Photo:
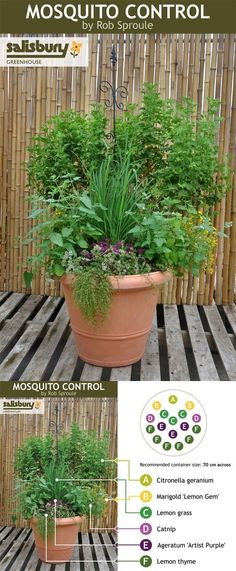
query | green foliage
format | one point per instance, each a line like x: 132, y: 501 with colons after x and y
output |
x: 42, y: 466
x: 191, y: 171
x: 115, y: 196
x: 174, y: 154
x: 34, y: 454
x: 68, y: 144
x: 145, y: 134
x: 57, y: 227
x: 177, y: 242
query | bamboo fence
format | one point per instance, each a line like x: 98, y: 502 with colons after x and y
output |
x: 195, y: 65
x: 98, y: 414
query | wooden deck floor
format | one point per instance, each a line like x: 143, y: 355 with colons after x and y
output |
x: 186, y: 343
x: 95, y: 552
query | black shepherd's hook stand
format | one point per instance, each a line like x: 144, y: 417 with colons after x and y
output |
x: 115, y: 95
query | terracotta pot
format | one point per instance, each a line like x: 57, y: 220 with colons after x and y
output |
x: 120, y: 340
x: 66, y: 538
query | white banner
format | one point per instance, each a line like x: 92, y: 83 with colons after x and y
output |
x: 43, y: 51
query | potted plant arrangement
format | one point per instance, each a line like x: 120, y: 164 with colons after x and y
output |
x: 58, y: 484
x: 114, y: 226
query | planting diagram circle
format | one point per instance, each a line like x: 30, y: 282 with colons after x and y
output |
x: 173, y: 422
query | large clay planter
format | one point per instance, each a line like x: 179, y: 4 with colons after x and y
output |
x: 120, y: 340
x: 66, y: 538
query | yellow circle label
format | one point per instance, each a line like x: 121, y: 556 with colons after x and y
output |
x: 156, y: 405
x: 146, y: 479
x: 146, y: 496
x: 172, y: 399
x: 190, y: 405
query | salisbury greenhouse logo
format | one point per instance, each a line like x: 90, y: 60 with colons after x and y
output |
x: 41, y: 51
x: 21, y: 406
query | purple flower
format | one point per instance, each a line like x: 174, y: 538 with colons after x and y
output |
x: 103, y: 245
x: 140, y: 251
x: 87, y: 254
x: 103, y: 248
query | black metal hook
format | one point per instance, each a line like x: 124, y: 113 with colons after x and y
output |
x: 114, y: 94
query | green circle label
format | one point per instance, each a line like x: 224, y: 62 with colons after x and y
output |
x: 156, y: 439
x: 164, y: 413
x: 179, y: 446
x: 182, y: 413
x: 145, y: 561
x: 150, y: 428
x: 145, y: 512
x: 167, y: 445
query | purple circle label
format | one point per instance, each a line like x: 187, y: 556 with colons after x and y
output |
x: 196, y: 418
x: 146, y: 544
x: 184, y: 426
x: 150, y: 418
x: 161, y: 426
x: 173, y: 434
x: 146, y: 528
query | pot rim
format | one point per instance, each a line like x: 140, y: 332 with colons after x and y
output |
x: 131, y: 281
x: 62, y: 520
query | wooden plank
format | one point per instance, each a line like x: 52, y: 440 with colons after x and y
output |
x: 121, y: 374
x: 109, y: 547
x: 87, y: 554
x: 25, y: 549
x: 91, y: 373
x: 76, y: 557
x: 230, y: 311
x: 4, y: 531
x: 11, y: 327
x: 3, y: 295
x: 47, y: 567
x: 11, y: 544
x: 40, y: 360
x: 150, y: 364
x: 6, y: 542
x: 178, y: 366
x: 100, y: 552
x: 26, y: 341
x: 202, y: 354
x: 67, y: 362
x: 9, y: 305
x: 222, y: 340
x: 33, y: 562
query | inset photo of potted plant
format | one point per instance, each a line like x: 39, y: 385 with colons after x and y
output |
x: 116, y: 220
x: 59, y: 483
